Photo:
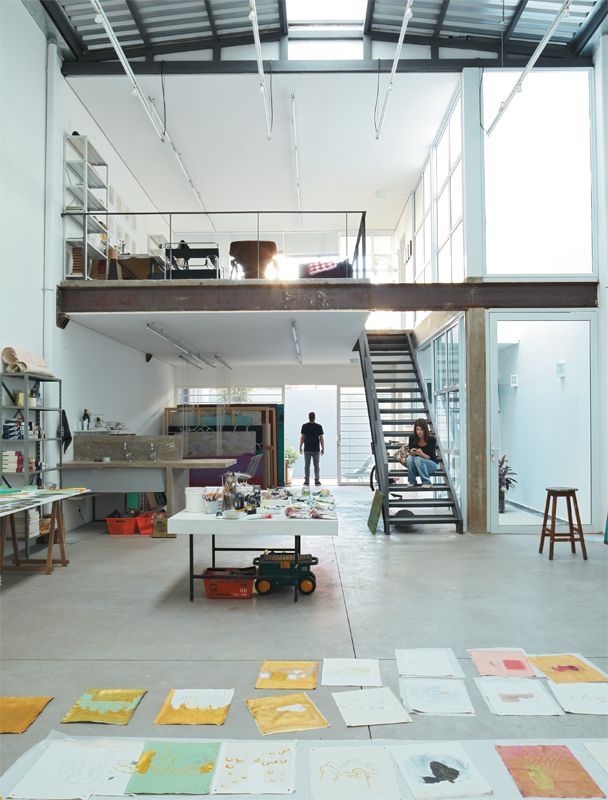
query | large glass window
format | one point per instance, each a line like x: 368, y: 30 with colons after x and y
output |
x: 229, y: 395
x: 356, y: 459
x: 380, y: 262
x: 538, y: 174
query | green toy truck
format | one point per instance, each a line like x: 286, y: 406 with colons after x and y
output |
x: 279, y: 568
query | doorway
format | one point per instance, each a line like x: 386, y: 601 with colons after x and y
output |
x: 323, y: 400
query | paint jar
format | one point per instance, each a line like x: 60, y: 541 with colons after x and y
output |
x: 20, y: 398
x: 210, y: 506
x: 194, y: 499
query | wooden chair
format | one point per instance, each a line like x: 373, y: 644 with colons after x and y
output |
x: 575, y: 532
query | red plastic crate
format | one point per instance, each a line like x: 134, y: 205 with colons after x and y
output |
x: 145, y: 523
x: 234, y: 584
x: 121, y: 526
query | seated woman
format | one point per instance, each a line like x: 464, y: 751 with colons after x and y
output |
x: 422, y: 460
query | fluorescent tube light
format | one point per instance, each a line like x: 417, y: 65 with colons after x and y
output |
x: 181, y: 345
x: 253, y: 16
x: 406, y: 18
x: 221, y: 361
x: 296, y: 156
x: 192, y: 360
x: 296, y: 340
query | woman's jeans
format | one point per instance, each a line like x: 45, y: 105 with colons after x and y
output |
x: 424, y: 467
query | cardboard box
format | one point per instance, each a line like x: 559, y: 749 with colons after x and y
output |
x: 159, y: 528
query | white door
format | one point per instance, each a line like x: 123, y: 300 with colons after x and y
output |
x: 542, y: 381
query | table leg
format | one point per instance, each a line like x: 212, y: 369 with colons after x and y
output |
x: 14, y: 540
x: 53, y: 529
x: 64, y: 561
x: 296, y: 559
x: 213, y: 551
x: 3, y: 535
x: 191, y: 546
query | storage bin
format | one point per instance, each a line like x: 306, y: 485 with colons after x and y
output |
x: 121, y: 526
x: 145, y: 523
x: 230, y: 583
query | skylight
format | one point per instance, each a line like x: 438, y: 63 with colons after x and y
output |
x: 325, y: 11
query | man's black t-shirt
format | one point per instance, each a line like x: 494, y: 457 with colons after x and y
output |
x: 430, y: 448
x: 311, y: 432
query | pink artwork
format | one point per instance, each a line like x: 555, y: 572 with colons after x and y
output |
x: 547, y: 771
x: 502, y: 663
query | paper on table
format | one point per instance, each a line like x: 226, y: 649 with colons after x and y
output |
x: 568, y: 668
x: 439, y: 770
x: 108, y: 706
x: 351, y: 672
x: 599, y: 751
x: 285, y: 713
x: 547, y: 771
x: 581, y: 698
x: 502, y: 663
x: 174, y: 767
x: 18, y: 713
x: 444, y: 696
x: 287, y: 675
x: 370, y: 707
x: 115, y: 783
x: 352, y: 773
x: 513, y: 697
x: 195, y: 707
x: 428, y: 662
x: 255, y: 768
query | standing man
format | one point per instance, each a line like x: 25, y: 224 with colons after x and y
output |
x: 313, y: 444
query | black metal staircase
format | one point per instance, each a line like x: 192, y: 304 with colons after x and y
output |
x: 396, y: 399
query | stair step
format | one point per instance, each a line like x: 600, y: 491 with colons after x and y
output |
x: 399, y: 390
x: 424, y: 519
x: 422, y: 503
x: 436, y: 487
x: 394, y: 371
x: 396, y: 380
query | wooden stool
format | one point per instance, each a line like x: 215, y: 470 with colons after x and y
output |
x: 575, y: 532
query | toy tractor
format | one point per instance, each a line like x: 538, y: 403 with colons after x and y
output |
x: 279, y: 568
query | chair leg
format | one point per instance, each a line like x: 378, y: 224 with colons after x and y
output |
x: 552, y: 531
x: 3, y: 535
x: 580, y: 528
x: 543, y: 532
x: 570, y: 523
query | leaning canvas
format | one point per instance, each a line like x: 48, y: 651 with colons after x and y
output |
x: 363, y: 772
x: 502, y: 663
x: 195, y: 707
x: 108, y: 706
x: 513, y: 697
x: 287, y: 675
x: 428, y: 662
x: 443, y: 696
x: 174, y: 767
x: 370, y: 707
x: 351, y: 672
x: 439, y: 770
x: 255, y: 768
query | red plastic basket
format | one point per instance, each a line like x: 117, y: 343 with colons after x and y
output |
x: 121, y: 526
x: 234, y: 584
x: 145, y: 523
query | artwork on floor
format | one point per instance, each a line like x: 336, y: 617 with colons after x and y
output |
x: 428, y: 662
x: 109, y: 706
x: 599, y: 751
x: 444, y: 696
x: 439, y: 770
x: 195, y: 707
x: 127, y: 756
x: 286, y: 713
x: 174, y: 767
x: 568, y: 668
x: 512, y: 697
x: 255, y: 768
x: 352, y: 773
x: 351, y: 672
x: 581, y: 698
x: 547, y: 771
x: 370, y: 707
x: 502, y: 663
x: 68, y: 769
x: 287, y: 675
x: 18, y: 713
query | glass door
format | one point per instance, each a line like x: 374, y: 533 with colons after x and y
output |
x: 354, y: 437
x: 541, y: 381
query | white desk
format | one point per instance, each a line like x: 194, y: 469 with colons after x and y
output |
x: 193, y: 524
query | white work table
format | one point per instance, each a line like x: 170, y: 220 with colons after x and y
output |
x: 192, y: 524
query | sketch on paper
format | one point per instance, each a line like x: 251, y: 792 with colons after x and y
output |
x: 547, y: 771
x: 127, y: 755
x: 195, y: 707
x: 444, y: 696
x: 352, y: 773
x: 513, y: 697
x: 109, y: 706
x: 439, y: 770
x: 174, y: 767
x: 428, y: 662
x: 370, y: 707
x: 569, y: 668
x: 287, y: 675
x: 255, y: 768
x: 502, y: 663
x: 581, y: 698
x: 18, y: 713
x: 351, y: 672
x: 285, y: 713
x: 599, y: 751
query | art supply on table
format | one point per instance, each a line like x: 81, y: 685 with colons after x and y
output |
x: 194, y: 499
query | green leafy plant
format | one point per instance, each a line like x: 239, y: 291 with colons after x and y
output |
x: 291, y: 455
x: 506, y: 476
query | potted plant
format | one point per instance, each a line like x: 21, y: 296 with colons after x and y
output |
x: 291, y: 456
x: 506, y: 480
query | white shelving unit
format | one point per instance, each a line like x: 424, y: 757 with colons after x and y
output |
x: 85, y: 193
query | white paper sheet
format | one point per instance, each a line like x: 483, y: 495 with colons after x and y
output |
x: 351, y: 672
x: 444, y: 696
x: 517, y: 697
x: 581, y: 698
x: 370, y: 707
x: 68, y: 770
x: 599, y: 751
x: 255, y: 768
x: 439, y: 770
x: 428, y: 662
x: 202, y: 698
x: 352, y: 773
x: 115, y: 783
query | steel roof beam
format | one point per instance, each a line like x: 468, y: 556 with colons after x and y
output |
x: 139, y: 24
x: 521, y: 7
x: 217, y: 50
x: 589, y: 27
x: 440, y: 18
x: 369, y: 17
x: 61, y: 21
x: 283, y: 18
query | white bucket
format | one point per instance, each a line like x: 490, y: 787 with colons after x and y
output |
x: 194, y: 499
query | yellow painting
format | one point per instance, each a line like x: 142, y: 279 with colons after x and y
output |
x: 287, y: 675
x: 286, y: 713
x: 109, y: 706
x: 18, y: 713
x: 568, y: 668
x: 195, y: 707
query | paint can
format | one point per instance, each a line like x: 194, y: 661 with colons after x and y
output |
x: 194, y: 499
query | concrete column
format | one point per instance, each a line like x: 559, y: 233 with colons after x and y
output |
x: 476, y: 421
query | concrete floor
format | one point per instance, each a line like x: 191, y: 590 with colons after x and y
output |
x: 119, y: 616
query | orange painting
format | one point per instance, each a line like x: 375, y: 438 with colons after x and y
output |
x: 547, y: 771
x: 568, y: 668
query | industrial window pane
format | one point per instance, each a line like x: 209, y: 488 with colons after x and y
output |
x: 441, y: 374
x: 419, y: 252
x: 325, y: 50
x: 456, y: 195
x: 453, y: 356
x: 355, y: 451
x: 383, y: 245
x: 444, y: 264
x: 426, y: 179
x: 442, y: 159
x: 443, y: 215
x: 457, y: 256
x: 455, y: 134
x: 324, y: 11
x: 235, y: 395
x: 419, y: 204
x: 428, y: 249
